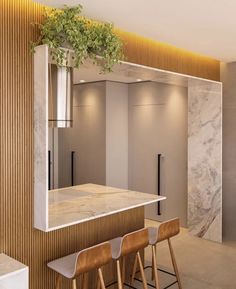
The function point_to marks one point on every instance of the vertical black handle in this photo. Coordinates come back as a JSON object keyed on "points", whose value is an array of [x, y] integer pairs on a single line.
{"points": [[72, 168], [158, 183], [49, 170]]}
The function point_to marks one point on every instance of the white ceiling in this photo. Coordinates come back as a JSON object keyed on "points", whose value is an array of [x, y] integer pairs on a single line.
{"points": [[207, 27], [90, 73]]}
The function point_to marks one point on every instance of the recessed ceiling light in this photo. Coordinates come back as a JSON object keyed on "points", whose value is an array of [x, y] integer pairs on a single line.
{"points": [[138, 79], [82, 80]]}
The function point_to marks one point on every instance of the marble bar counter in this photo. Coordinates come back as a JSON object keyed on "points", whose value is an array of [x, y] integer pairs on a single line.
{"points": [[77, 204]]}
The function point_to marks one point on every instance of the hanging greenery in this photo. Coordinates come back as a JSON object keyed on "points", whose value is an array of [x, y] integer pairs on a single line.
{"points": [[66, 28]]}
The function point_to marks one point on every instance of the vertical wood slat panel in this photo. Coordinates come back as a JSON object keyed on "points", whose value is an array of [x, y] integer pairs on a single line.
{"points": [[18, 238], [151, 53]]}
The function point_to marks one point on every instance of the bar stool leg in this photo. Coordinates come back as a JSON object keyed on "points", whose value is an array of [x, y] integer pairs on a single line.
{"points": [[154, 267], [85, 281], [101, 278], [74, 286], [134, 270], [153, 274], [123, 269], [58, 282], [119, 278], [98, 283], [142, 271], [174, 263]]}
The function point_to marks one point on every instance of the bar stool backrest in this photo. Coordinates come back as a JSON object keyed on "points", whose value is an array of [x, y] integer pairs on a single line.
{"points": [[93, 257], [134, 241], [168, 229]]}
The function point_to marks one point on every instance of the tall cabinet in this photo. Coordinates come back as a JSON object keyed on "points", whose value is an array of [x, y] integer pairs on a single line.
{"points": [[158, 126]]}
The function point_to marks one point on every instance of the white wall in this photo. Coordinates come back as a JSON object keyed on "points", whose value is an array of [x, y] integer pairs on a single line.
{"points": [[117, 134]]}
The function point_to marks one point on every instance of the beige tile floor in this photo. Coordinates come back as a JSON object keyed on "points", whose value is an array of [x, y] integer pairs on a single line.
{"points": [[202, 264]]}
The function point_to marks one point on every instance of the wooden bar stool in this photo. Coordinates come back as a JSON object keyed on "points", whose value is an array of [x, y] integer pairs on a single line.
{"points": [[164, 231], [133, 242], [81, 263]]}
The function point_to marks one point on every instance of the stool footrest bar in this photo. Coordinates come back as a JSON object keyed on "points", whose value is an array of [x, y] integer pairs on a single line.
{"points": [[162, 270], [149, 285]]}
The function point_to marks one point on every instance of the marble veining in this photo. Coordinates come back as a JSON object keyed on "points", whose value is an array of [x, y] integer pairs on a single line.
{"points": [[205, 160], [98, 202]]}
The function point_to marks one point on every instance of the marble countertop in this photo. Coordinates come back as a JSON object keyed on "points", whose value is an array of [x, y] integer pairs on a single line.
{"points": [[9, 266], [86, 202]]}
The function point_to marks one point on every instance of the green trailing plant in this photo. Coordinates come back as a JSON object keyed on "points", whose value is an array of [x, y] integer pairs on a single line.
{"points": [[66, 28]]}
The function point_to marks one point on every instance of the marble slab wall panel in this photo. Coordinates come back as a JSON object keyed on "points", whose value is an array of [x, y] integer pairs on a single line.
{"points": [[40, 137], [205, 159]]}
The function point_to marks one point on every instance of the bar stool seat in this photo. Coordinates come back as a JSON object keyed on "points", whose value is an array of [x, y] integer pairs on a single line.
{"points": [[153, 235], [81, 263], [164, 231], [65, 265], [116, 247]]}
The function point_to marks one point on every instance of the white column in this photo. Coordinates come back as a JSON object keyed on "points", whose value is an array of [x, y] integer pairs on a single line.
{"points": [[205, 159], [41, 137], [117, 134]]}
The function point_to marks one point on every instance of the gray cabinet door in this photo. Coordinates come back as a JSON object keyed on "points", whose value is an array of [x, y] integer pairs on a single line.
{"points": [[158, 125]]}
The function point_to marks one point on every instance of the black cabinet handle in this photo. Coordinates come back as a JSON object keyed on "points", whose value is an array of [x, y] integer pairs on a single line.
{"points": [[158, 183], [72, 167], [49, 170]]}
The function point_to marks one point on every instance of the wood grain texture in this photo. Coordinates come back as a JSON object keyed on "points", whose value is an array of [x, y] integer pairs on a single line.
{"points": [[168, 229], [151, 53]]}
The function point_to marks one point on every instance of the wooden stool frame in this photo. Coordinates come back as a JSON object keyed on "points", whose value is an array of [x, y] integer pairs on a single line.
{"points": [[86, 260], [166, 231], [100, 281], [132, 243]]}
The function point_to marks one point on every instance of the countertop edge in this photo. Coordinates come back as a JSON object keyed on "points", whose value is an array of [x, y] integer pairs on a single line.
{"points": [[50, 229]]}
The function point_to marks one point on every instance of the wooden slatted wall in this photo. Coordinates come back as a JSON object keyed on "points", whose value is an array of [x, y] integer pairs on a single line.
{"points": [[18, 238], [164, 56]]}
